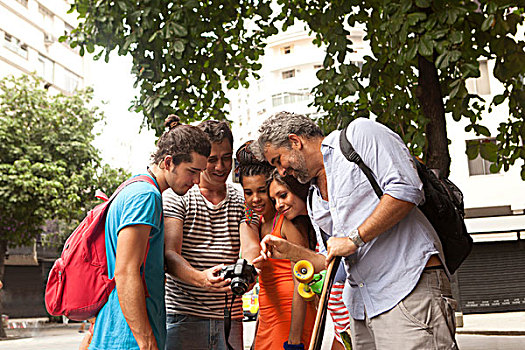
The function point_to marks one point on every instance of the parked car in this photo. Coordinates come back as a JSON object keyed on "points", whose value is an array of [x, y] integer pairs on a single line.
{"points": [[250, 304]]}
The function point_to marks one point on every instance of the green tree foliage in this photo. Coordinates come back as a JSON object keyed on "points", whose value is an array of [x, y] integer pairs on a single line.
{"points": [[184, 52], [423, 52], [49, 169]]}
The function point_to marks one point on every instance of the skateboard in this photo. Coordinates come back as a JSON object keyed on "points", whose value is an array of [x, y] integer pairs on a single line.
{"points": [[312, 284]]}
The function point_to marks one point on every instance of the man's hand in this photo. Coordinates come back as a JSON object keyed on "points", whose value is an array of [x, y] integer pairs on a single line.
{"points": [[339, 246], [274, 247], [279, 248], [213, 281]]}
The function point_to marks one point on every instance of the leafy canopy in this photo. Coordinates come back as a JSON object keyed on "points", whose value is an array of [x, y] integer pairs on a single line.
{"points": [[184, 50], [49, 169]]}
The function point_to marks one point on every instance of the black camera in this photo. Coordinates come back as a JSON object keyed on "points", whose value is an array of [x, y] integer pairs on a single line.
{"points": [[242, 275]]}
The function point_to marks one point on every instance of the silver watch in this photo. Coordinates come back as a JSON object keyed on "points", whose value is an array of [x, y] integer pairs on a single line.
{"points": [[356, 238]]}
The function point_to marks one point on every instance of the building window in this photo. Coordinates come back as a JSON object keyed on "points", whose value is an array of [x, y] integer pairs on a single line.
{"points": [[286, 50], [15, 45], [479, 165], [23, 2], [46, 68], [47, 16], [481, 85], [289, 97], [287, 74], [71, 81]]}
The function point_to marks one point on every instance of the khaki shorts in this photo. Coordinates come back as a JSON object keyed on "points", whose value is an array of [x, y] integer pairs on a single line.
{"points": [[425, 319]]}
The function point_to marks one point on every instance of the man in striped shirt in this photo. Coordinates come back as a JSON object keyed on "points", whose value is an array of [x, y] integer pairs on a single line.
{"points": [[202, 236]]}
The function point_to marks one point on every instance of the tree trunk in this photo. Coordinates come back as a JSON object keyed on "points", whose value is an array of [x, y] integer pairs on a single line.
{"points": [[3, 249], [429, 95]]}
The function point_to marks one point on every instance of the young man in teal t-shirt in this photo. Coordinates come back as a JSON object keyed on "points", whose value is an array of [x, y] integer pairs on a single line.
{"points": [[134, 316]]}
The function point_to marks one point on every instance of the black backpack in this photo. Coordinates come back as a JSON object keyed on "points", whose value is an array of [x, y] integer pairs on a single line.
{"points": [[443, 206]]}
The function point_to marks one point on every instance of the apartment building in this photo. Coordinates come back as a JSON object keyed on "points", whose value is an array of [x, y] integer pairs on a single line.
{"points": [[29, 32]]}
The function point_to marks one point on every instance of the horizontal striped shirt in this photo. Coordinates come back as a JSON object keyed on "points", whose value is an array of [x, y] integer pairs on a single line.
{"points": [[210, 237]]}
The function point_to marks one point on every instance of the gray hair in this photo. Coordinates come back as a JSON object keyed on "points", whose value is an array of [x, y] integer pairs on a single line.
{"points": [[275, 130]]}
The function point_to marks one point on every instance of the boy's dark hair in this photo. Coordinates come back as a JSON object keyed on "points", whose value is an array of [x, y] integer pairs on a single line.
{"points": [[180, 141], [217, 131], [249, 165]]}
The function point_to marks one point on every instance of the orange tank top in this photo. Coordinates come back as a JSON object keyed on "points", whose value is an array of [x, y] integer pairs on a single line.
{"points": [[275, 302]]}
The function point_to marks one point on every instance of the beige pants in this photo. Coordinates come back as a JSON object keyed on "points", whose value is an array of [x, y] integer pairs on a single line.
{"points": [[423, 320]]}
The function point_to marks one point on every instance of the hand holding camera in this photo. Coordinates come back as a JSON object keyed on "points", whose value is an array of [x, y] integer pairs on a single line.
{"points": [[212, 279], [242, 274]]}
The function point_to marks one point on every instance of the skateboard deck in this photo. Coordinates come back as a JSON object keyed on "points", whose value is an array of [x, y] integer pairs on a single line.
{"points": [[320, 320]]}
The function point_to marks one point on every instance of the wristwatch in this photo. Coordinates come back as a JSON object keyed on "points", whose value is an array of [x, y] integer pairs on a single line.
{"points": [[356, 238]]}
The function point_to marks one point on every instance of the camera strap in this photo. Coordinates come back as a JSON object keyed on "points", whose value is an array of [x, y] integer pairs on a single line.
{"points": [[228, 319]]}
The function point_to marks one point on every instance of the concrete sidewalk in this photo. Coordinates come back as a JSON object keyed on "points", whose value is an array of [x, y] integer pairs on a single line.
{"points": [[504, 323], [22, 323]]}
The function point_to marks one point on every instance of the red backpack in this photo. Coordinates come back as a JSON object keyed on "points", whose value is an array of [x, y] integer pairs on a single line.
{"points": [[78, 285]]}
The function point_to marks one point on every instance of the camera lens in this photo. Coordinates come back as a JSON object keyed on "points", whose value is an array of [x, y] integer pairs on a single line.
{"points": [[239, 286]]}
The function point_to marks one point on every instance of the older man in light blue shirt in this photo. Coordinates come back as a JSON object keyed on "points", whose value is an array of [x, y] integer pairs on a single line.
{"points": [[397, 290]]}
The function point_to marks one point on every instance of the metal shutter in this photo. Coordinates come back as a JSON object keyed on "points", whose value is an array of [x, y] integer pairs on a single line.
{"points": [[492, 278]]}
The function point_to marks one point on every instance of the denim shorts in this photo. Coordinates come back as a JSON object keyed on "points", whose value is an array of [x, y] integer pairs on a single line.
{"points": [[187, 332]]}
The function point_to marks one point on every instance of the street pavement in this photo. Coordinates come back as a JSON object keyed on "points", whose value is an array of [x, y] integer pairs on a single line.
{"points": [[64, 337], [503, 323], [509, 326], [45, 336], [68, 338]]}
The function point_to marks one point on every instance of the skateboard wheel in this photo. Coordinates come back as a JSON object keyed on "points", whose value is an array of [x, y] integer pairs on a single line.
{"points": [[305, 292], [303, 271]]}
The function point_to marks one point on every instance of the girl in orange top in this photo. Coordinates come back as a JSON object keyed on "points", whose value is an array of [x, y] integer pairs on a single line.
{"points": [[290, 198], [285, 318]]}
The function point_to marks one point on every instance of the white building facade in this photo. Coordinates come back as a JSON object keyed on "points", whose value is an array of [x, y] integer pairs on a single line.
{"points": [[29, 32], [288, 74]]}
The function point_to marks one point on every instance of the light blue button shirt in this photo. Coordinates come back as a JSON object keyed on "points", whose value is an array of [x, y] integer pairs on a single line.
{"points": [[323, 222], [386, 269]]}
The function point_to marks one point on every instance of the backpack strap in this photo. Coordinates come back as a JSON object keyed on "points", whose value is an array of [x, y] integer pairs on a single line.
{"points": [[148, 179], [143, 268], [144, 178], [349, 152]]}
